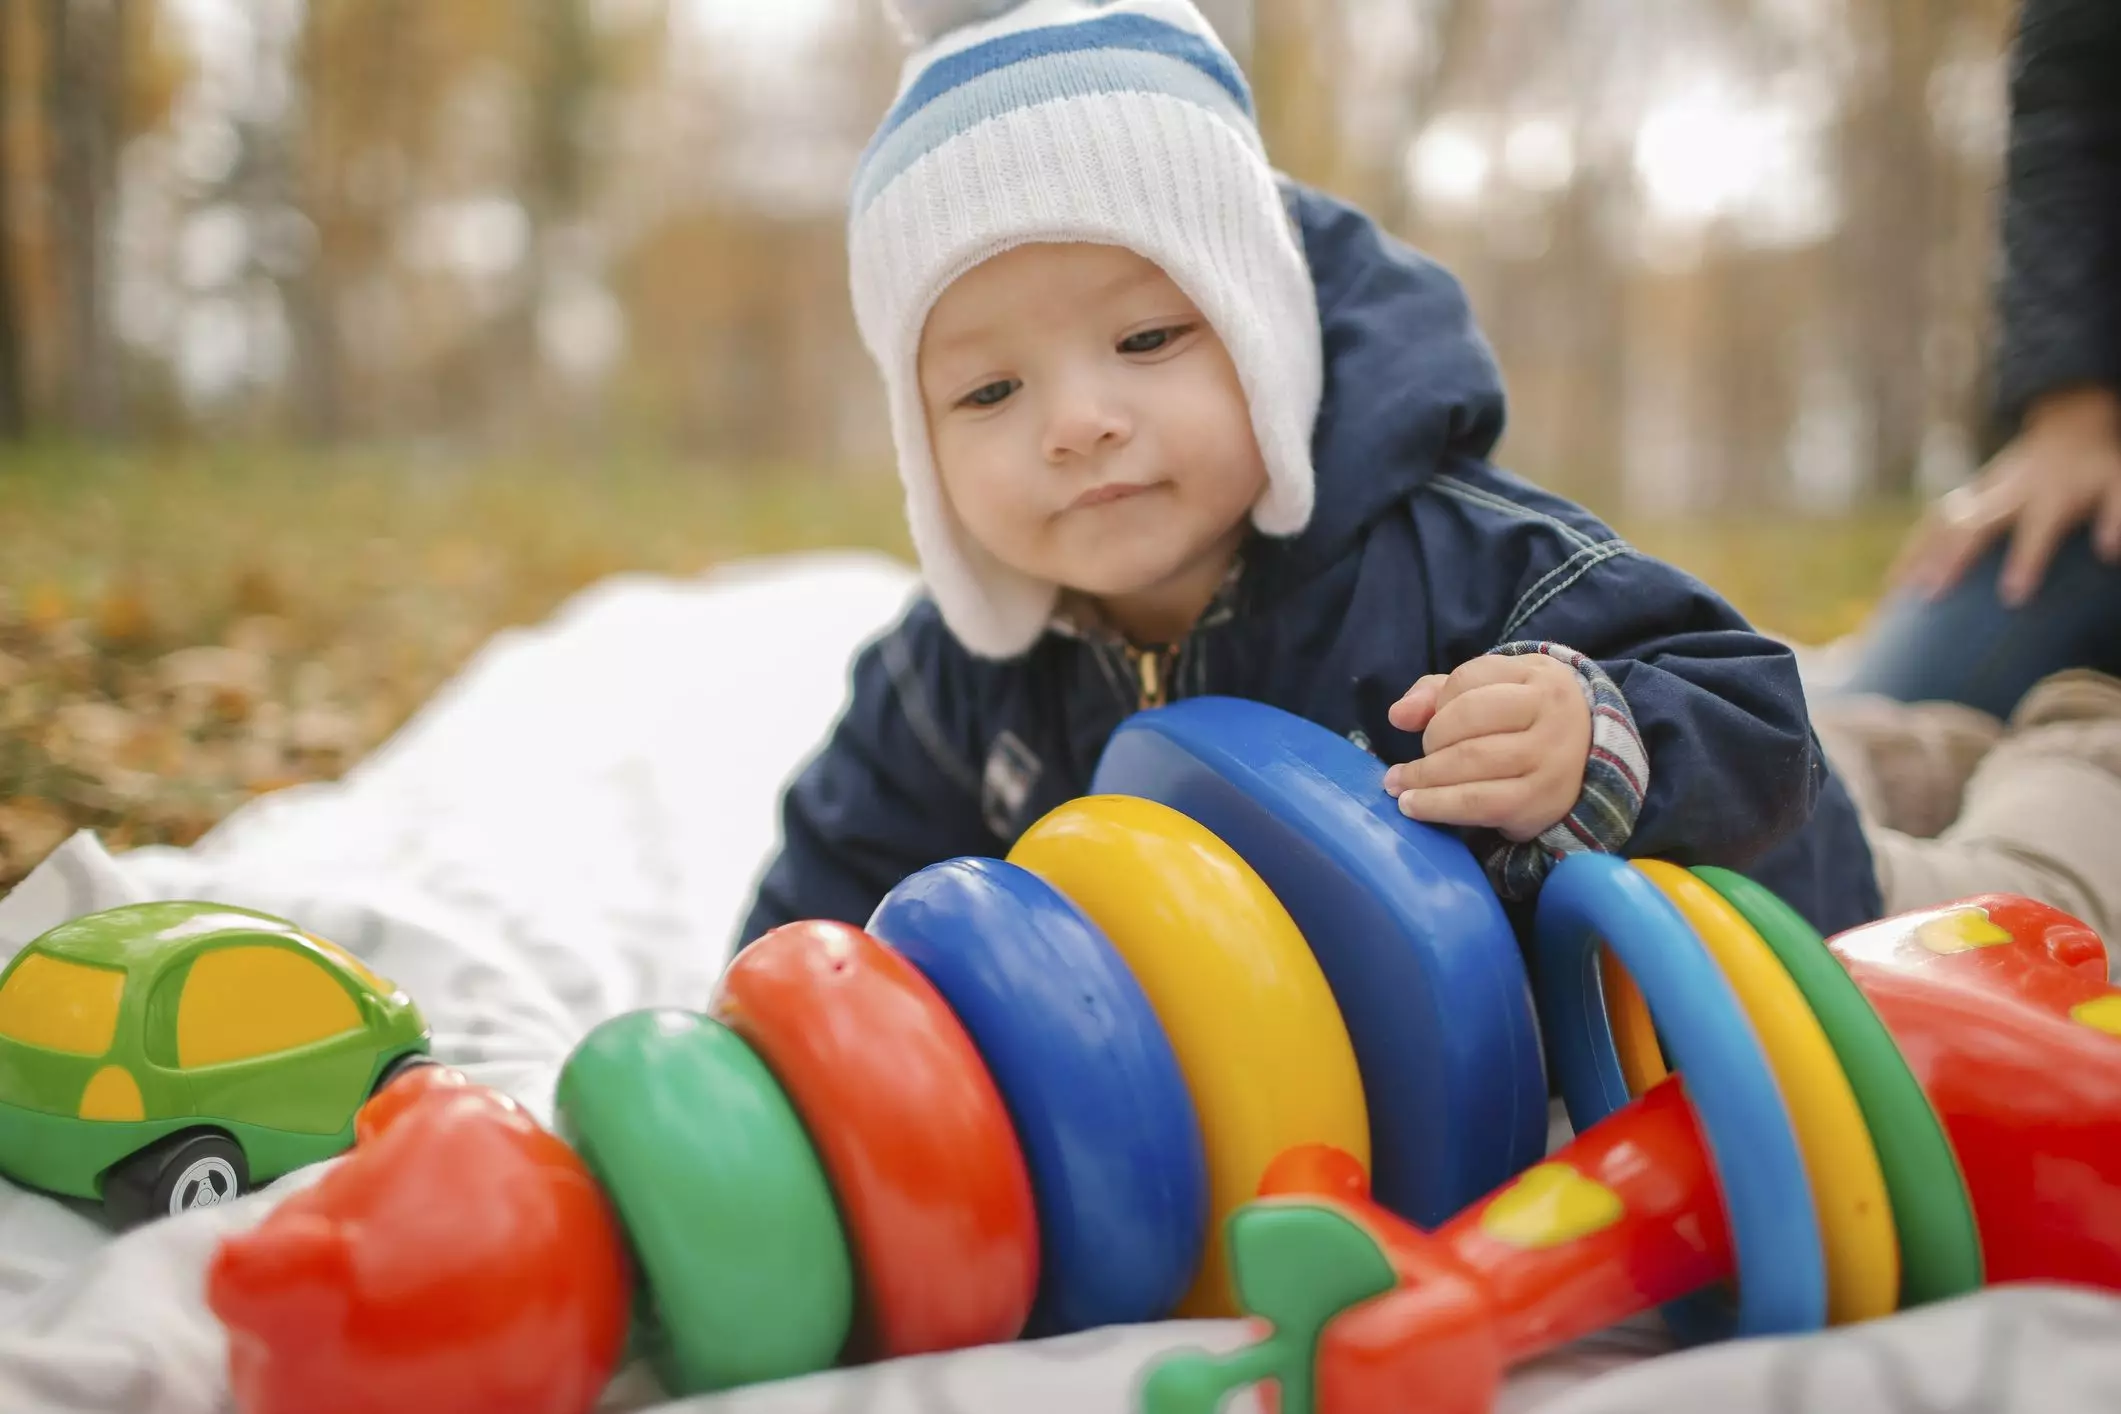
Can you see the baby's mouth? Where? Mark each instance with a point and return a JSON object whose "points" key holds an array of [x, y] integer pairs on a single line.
{"points": [[1106, 494]]}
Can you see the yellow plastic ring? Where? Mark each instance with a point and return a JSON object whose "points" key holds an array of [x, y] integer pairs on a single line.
{"points": [[1259, 1040], [1848, 1184], [1634, 1034]]}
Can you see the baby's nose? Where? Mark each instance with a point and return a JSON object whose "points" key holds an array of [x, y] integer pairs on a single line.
{"points": [[1083, 422]]}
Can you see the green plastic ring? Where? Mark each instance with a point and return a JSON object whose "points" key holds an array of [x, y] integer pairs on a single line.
{"points": [[734, 1228], [1940, 1245]]}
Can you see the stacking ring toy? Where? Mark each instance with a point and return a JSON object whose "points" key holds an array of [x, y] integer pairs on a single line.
{"points": [[1855, 1217], [1634, 1034], [1594, 898], [912, 1131], [747, 1270], [1404, 925], [1940, 1246], [1089, 1077], [1264, 1052]]}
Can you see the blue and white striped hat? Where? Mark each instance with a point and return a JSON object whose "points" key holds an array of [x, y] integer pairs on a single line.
{"points": [[1124, 123]]}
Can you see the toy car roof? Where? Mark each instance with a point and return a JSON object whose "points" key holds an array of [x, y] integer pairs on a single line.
{"points": [[154, 934]]}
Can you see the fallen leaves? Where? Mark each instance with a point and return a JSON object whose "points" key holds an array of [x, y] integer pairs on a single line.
{"points": [[150, 744], [29, 830], [180, 635]]}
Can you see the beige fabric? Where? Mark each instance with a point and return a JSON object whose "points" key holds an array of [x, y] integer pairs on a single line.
{"points": [[1906, 765], [2038, 813]]}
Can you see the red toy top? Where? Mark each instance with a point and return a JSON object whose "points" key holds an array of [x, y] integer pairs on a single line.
{"points": [[2002, 1008]]}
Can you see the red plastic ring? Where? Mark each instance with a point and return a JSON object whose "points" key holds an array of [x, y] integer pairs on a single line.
{"points": [[914, 1135]]}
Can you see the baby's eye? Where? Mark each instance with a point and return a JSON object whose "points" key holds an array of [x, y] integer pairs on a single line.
{"points": [[992, 393], [1150, 340]]}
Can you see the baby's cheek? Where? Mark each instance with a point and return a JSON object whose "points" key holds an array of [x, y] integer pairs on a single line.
{"points": [[975, 486], [1008, 517]]}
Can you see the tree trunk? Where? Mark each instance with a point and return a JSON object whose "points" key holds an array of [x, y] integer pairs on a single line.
{"points": [[1593, 302], [84, 96], [303, 176], [1232, 22], [14, 408], [1889, 180], [1293, 42], [562, 82]]}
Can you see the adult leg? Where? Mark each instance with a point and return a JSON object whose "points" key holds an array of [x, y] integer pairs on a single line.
{"points": [[1969, 647]]}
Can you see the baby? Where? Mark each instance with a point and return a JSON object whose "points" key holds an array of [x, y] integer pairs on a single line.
{"points": [[1171, 425]]}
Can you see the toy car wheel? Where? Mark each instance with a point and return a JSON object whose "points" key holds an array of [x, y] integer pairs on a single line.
{"points": [[175, 1176], [399, 1067]]}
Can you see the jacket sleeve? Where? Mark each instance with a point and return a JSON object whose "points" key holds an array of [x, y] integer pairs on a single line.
{"points": [[1727, 747], [892, 790], [2060, 290]]}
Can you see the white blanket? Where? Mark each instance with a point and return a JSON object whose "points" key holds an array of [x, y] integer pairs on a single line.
{"points": [[571, 829]]}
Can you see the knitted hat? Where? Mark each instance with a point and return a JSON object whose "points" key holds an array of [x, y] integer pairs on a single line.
{"points": [[1123, 123]]}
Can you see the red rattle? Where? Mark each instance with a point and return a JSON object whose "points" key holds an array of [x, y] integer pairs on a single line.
{"points": [[460, 1257]]}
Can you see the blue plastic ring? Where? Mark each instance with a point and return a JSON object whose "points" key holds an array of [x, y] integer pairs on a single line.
{"points": [[1422, 960], [1594, 898], [1100, 1105]]}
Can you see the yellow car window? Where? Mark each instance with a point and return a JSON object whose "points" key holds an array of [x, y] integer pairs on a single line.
{"points": [[61, 1006], [380, 985], [241, 1002], [112, 1094]]}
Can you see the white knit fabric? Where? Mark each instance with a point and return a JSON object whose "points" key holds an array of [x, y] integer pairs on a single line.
{"points": [[1170, 178]]}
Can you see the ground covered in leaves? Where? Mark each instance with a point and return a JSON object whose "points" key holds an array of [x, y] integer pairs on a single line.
{"points": [[183, 630]]}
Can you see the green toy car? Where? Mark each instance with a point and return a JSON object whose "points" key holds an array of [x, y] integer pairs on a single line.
{"points": [[166, 1056]]}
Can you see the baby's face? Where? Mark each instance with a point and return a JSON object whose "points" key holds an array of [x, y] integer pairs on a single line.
{"points": [[1088, 425]]}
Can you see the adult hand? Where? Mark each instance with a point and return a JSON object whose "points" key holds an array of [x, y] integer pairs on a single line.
{"points": [[1505, 743], [2062, 469]]}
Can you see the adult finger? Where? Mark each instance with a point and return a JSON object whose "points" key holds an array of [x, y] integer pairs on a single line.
{"points": [[2033, 542], [1969, 523], [2106, 536]]}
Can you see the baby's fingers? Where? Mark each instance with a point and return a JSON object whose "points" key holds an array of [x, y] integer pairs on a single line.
{"points": [[1503, 708], [1500, 757], [1469, 803], [1411, 713]]}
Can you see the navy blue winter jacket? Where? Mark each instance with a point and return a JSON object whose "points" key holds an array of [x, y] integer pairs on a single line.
{"points": [[1419, 556]]}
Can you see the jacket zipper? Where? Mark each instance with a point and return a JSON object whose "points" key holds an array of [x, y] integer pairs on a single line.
{"points": [[1155, 670]]}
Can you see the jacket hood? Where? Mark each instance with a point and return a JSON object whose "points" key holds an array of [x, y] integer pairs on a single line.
{"points": [[1410, 382]]}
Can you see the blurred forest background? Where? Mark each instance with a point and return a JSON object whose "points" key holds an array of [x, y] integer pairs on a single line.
{"points": [[336, 334]]}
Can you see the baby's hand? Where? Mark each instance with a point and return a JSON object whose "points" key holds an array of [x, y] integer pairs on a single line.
{"points": [[1505, 742]]}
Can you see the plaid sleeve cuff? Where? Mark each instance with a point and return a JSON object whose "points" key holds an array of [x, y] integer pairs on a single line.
{"points": [[1614, 779]]}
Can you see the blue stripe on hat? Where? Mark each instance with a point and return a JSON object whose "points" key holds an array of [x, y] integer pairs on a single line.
{"points": [[1041, 80], [1106, 32]]}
